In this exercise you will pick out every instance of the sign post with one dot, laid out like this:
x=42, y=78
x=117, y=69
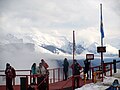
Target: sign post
x=101, y=50
x=89, y=56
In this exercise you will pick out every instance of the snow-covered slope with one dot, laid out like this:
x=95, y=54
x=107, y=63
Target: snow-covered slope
x=31, y=47
x=53, y=44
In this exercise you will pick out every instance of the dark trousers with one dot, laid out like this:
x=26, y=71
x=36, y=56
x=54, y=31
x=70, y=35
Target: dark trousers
x=42, y=85
x=34, y=79
x=66, y=75
x=9, y=84
x=86, y=72
x=87, y=75
x=76, y=82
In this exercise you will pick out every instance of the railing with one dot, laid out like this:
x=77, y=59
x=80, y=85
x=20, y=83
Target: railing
x=56, y=74
x=19, y=73
x=107, y=67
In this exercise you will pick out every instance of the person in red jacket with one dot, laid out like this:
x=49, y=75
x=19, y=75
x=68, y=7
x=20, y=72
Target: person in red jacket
x=10, y=74
x=76, y=72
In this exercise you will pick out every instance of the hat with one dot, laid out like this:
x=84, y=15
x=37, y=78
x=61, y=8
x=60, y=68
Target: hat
x=7, y=64
x=65, y=59
x=42, y=60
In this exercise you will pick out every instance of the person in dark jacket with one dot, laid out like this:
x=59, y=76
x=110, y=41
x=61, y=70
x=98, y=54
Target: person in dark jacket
x=114, y=85
x=86, y=68
x=10, y=74
x=65, y=68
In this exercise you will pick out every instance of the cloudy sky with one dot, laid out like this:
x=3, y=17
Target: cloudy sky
x=59, y=16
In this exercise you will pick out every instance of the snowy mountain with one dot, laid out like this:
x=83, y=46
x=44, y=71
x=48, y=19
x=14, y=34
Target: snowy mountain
x=31, y=47
x=50, y=44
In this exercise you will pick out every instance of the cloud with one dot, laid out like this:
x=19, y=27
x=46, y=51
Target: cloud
x=59, y=16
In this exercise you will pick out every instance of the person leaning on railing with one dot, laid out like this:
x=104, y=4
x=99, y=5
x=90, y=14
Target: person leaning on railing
x=33, y=71
x=41, y=72
x=45, y=65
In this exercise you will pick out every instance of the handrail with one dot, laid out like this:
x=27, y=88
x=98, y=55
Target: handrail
x=19, y=70
x=57, y=77
x=117, y=61
x=54, y=78
x=111, y=62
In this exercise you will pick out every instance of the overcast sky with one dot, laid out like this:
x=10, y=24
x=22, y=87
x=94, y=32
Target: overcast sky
x=59, y=16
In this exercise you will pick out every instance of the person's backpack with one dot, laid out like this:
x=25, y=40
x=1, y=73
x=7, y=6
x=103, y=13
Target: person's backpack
x=77, y=69
x=45, y=65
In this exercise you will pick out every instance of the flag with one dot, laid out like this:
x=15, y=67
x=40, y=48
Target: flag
x=101, y=23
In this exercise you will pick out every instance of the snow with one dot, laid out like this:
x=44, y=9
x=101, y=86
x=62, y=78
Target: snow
x=101, y=85
x=111, y=49
x=92, y=86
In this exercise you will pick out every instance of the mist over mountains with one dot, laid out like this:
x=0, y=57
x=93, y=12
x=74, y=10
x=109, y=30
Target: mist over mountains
x=50, y=44
x=21, y=48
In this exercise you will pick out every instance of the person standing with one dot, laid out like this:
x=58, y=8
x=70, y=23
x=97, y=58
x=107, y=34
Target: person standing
x=41, y=72
x=45, y=65
x=33, y=71
x=10, y=75
x=86, y=69
x=76, y=72
x=65, y=68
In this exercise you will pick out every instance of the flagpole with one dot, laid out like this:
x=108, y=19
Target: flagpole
x=102, y=36
x=73, y=84
x=101, y=26
x=73, y=45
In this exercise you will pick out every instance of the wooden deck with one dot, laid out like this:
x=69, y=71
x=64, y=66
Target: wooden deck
x=61, y=85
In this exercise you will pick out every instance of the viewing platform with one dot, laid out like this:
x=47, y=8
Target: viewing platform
x=56, y=78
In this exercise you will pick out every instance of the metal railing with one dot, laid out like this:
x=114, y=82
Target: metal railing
x=56, y=74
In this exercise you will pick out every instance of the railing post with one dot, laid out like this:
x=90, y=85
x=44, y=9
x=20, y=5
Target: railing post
x=99, y=70
x=92, y=74
x=84, y=78
x=26, y=82
x=58, y=74
x=114, y=65
x=63, y=74
x=102, y=70
x=104, y=65
x=73, y=83
x=110, y=69
x=30, y=77
x=47, y=82
x=13, y=81
x=94, y=77
x=53, y=75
